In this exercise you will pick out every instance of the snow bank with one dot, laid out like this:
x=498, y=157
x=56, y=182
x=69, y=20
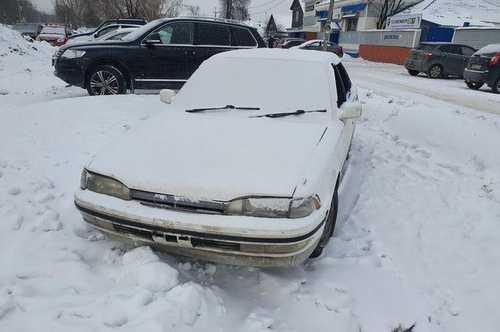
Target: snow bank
x=13, y=44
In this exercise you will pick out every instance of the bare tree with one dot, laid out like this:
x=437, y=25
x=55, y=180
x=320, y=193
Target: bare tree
x=193, y=10
x=390, y=8
x=235, y=9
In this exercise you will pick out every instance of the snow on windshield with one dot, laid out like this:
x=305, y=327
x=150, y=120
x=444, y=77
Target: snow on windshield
x=271, y=84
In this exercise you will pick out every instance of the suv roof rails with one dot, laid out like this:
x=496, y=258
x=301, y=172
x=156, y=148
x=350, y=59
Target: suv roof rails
x=217, y=19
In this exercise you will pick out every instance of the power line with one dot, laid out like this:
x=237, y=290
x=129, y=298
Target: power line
x=270, y=8
x=262, y=4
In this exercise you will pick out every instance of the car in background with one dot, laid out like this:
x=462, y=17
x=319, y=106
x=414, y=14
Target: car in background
x=133, y=21
x=161, y=54
x=290, y=42
x=439, y=60
x=103, y=31
x=55, y=35
x=317, y=45
x=31, y=30
x=116, y=34
x=249, y=178
x=484, y=68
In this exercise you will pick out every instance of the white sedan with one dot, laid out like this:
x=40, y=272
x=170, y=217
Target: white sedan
x=242, y=168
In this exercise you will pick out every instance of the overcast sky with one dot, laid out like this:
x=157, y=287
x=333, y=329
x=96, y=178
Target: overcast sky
x=258, y=8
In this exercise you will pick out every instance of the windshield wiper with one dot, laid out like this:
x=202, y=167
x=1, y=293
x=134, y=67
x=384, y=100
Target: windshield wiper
x=227, y=107
x=281, y=115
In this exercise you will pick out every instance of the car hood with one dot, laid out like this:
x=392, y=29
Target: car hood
x=203, y=158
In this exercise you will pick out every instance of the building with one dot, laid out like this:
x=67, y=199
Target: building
x=296, y=30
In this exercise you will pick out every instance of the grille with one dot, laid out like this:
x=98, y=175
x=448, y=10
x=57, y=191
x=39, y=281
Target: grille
x=172, y=202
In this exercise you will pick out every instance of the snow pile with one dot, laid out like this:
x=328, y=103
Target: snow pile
x=457, y=12
x=12, y=43
x=25, y=69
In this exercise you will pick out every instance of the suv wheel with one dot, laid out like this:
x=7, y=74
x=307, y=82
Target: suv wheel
x=496, y=86
x=105, y=80
x=413, y=72
x=436, y=71
x=329, y=227
x=474, y=85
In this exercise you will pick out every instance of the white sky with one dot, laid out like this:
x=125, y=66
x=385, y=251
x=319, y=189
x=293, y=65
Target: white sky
x=258, y=8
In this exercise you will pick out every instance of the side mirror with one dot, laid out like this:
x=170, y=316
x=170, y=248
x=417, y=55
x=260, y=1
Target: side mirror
x=152, y=42
x=350, y=110
x=167, y=96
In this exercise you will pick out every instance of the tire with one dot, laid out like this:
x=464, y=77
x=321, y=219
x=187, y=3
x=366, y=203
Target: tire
x=474, y=85
x=436, y=71
x=496, y=86
x=105, y=80
x=413, y=72
x=329, y=227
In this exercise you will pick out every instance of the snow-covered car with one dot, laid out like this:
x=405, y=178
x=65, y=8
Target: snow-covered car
x=484, y=68
x=317, y=45
x=238, y=171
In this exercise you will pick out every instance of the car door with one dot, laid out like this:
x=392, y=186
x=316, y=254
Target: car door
x=452, y=59
x=167, y=56
x=210, y=39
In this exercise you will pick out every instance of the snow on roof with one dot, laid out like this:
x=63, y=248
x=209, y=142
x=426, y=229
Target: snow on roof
x=282, y=54
x=457, y=12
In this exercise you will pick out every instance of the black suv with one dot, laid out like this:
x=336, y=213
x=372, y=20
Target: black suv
x=118, y=21
x=162, y=54
x=484, y=67
x=439, y=59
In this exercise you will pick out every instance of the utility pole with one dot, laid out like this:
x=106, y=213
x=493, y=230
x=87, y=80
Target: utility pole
x=327, y=28
x=215, y=12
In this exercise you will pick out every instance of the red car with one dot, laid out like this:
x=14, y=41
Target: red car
x=55, y=35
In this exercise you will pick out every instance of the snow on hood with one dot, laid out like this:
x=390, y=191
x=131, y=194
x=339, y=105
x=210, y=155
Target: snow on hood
x=204, y=157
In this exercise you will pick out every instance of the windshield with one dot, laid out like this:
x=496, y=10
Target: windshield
x=53, y=30
x=140, y=31
x=272, y=85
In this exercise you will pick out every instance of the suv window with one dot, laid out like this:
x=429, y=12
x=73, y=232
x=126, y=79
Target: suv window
x=177, y=33
x=343, y=83
x=212, y=34
x=242, y=37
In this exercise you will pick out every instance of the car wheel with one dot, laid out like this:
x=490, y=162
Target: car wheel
x=329, y=227
x=413, y=72
x=105, y=80
x=436, y=71
x=496, y=86
x=474, y=85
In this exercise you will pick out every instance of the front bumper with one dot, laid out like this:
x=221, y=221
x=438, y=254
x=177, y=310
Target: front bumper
x=222, y=239
x=71, y=71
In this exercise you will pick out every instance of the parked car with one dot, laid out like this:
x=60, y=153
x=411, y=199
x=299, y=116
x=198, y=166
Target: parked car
x=31, y=30
x=439, y=59
x=54, y=34
x=245, y=178
x=134, y=21
x=291, y=42
x=162, y=54
x=102, y=32
x=317, y=45
x=116, y=34
x=484, y=68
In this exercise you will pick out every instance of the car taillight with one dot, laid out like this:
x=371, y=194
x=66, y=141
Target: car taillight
x=428, y=55
x=495, y=60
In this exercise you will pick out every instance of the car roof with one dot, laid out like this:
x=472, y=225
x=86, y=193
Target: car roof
x=281, y=54
x=208, y=19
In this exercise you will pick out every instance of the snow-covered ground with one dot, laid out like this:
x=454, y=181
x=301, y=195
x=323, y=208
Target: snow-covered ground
x=416, y=242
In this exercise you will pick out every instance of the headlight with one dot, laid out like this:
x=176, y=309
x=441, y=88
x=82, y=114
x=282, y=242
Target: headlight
x=104, y=185
x=268, y=207
x=72, y=54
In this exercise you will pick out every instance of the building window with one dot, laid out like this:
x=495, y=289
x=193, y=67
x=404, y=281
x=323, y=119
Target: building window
x=351, y=24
